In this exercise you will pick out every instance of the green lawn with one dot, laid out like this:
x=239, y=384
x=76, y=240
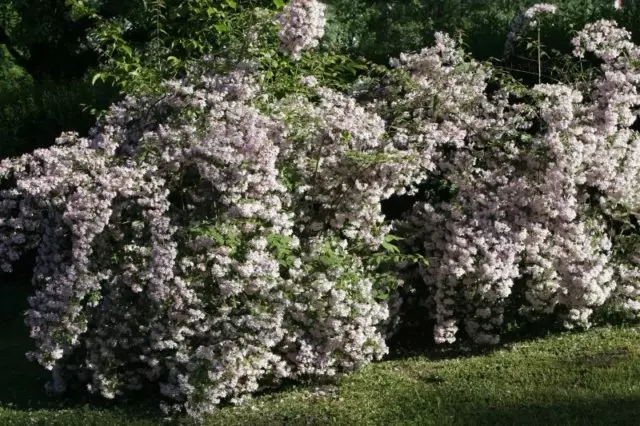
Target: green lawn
x=587, y=378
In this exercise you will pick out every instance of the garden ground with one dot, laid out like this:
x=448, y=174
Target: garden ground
x=568, y=378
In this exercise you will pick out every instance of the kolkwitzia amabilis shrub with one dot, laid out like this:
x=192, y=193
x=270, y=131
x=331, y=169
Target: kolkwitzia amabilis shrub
x=185, y=242
x=595, y=173
x=527, y=198
x=613, y=169
x=218, y=239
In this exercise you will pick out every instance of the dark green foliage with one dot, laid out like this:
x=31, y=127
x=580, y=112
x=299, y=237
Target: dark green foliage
x=44, y=39
x=379, y=30
x=42, y=64
x=34, y=113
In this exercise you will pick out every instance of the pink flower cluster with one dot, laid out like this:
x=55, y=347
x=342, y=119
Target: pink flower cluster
x=302, y=26
x=539, y=9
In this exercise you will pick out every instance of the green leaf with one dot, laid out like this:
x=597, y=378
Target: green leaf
x=96, y=77
x=391, y=237
x=390, y=247
x=221, y=27
x=278, y=3
x=382, y=296
x=232, y=4
x=127, y=50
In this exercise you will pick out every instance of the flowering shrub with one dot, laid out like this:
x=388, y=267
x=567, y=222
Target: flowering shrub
x=534, y=192
x=219, y=238
x=206, y=242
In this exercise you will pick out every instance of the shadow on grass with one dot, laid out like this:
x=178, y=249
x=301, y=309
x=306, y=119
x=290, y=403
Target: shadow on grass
x=418, y=341
x=613, y=411
x=582, y=412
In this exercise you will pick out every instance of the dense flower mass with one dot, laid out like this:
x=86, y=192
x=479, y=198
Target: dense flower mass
x=302, y=26
x=217, y=239
x=535, y=192
x=201, y=244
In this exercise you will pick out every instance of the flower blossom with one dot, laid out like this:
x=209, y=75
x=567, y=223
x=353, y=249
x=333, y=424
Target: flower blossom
x=302, y=26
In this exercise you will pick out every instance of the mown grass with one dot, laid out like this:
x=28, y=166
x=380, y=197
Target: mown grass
x=590, y=378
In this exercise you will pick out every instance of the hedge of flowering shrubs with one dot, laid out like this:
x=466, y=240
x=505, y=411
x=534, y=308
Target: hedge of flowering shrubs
x=542, y=188
x=219, y=238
